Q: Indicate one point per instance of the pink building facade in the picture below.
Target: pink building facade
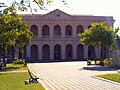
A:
(55, 36)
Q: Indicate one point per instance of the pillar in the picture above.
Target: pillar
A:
(74, 51)
(63, 50)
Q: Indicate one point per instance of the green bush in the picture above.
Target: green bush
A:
(17, 61)
(89, 62)
(108, 61)
(97, 62)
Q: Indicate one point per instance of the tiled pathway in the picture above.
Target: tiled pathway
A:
(71, 76)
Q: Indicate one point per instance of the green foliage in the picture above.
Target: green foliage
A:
(89, 62)
(13, 30)
(13, 27)
(17, 61)
(25, 5)
(97, 35)
(15, 81)
(107, 61)
(97, 62)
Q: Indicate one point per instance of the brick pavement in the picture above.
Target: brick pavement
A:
(71, 76)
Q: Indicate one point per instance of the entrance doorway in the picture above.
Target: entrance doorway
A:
(57, 52)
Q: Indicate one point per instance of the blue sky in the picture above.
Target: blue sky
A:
(86, 7)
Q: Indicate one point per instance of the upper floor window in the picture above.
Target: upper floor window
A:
(79, 29)
(57, 30)
(34, 30)
(45, 30)
(68, 30)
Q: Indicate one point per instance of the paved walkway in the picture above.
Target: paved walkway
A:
(72, 76)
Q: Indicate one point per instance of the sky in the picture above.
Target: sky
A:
(86, 7)
(91, 7)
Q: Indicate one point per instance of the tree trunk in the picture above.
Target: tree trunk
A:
(4, 54)
(16, 52)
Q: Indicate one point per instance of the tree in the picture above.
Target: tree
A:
(98, 35)
(30, 5)
(23, 40)
(13, 29)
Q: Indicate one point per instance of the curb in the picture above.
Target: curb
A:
(106, 80)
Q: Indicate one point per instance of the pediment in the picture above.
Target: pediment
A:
(57, 14)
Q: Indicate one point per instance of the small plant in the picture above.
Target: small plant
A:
(108, 61)
(17, 61)
(97, 62)
(89, 62)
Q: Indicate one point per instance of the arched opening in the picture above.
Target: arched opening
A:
(57, 31)
(11, 51)
(34, 53)
(45, 52)
(103, 52)
(89, 26)
(34, 30)
(69, 52)
(80, 52)
(24, 52)
(79, 29)
(57, 52)
(45, 31)
(68, 31)
(91, 52)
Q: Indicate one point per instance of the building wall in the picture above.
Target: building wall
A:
(60, 47)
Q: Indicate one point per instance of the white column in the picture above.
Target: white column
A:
(74, 52)
(51, 52)
(63, 50)
(51, 31)
(85, 52)
(28, 51)
(63, 31)
(73, 30)
(39, 31)
(96, 52)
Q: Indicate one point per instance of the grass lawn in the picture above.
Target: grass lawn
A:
(15, 81)
(15, 67)
(112, 77)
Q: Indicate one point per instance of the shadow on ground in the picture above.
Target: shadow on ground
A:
(9, 68)
(101, 68)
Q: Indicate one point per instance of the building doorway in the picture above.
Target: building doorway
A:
(57, 52)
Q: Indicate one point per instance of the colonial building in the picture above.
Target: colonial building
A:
(55, 36)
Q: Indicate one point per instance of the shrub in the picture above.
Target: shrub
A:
(17, 61)
(108, 61)
(89, 62)
(97, 62)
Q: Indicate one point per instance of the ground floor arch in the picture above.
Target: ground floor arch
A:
(46, 52)
(61, 52)
(34, 52)
(57, 52)
(91, 52)
(11, 51)
(69, 52)
(80, 52)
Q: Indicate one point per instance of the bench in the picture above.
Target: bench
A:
(32, 78)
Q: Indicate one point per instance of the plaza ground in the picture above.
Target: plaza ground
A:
(72, 76)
